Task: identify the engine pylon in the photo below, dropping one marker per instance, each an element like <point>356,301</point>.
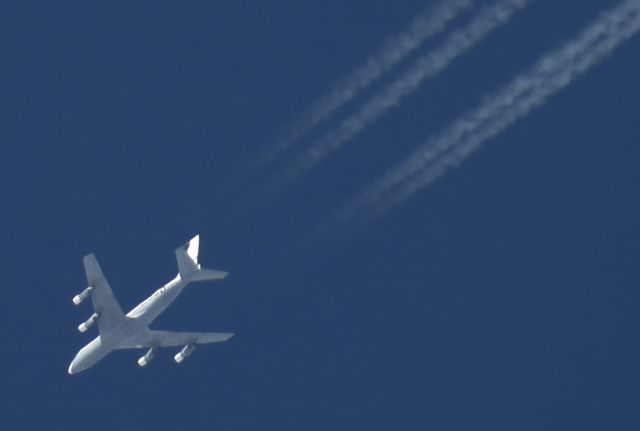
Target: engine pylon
<point>143,361</point>
<point>186,351</point>
<point>89,323</point>
<point>77,300</point>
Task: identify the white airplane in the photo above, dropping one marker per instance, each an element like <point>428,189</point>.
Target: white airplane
<point>131,331</point>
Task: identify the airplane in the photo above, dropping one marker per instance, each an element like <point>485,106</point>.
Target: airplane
<point>131,331</point>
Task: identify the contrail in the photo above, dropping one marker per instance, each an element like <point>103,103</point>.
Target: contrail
<point>428,66</point>
<point>429,23</point>
<point>552,73</point>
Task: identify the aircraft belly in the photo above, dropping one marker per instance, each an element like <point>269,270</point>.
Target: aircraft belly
<point>148,312</point>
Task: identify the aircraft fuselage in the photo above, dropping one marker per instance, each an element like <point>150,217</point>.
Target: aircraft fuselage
<point>131,330</point>
<point>137,321</point>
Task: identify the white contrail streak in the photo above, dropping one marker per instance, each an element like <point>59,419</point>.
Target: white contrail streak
<point>552,73</point>
<point>430,22</point>
<point>428,66</point>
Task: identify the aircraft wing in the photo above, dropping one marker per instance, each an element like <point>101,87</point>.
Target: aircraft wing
<point>104,303</point>
<point>153,338</point>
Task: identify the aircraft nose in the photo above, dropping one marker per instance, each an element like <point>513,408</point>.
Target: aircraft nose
<point>75,365</point>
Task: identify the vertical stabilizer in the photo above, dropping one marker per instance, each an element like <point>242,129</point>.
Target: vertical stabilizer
<point>192,248</point>
<point>188,266</point>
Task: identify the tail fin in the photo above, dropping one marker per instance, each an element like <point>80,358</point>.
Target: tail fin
<point>188,266</point>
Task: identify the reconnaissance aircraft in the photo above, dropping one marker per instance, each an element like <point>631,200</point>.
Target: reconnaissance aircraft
<point>131,331</point>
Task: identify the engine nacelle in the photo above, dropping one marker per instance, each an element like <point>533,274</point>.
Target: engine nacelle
<point>89,323</point>
<point>147,357</point>
<point>186,351</point>
<point>77,300</point>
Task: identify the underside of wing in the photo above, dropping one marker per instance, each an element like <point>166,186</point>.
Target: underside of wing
<point>110,314</point>
<point>153,338</point>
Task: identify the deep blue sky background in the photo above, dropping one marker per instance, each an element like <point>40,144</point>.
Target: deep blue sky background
<point>504,297</point>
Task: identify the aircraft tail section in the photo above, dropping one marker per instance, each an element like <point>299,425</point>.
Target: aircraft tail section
<point>188,266</point>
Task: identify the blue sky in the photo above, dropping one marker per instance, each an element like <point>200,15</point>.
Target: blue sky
<point>502,296</point>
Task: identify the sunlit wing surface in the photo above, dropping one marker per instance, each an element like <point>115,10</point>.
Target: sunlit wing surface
<point>153,338</point>
<point>104,303</point>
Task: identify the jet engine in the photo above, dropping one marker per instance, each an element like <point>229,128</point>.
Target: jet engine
<point>186,351</point>
<point>77,300</point>
<point>147,357</point>
<point>89,323</point>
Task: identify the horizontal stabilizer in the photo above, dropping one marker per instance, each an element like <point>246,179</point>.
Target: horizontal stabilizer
<point>208,274</point>
<point>188,266</point>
